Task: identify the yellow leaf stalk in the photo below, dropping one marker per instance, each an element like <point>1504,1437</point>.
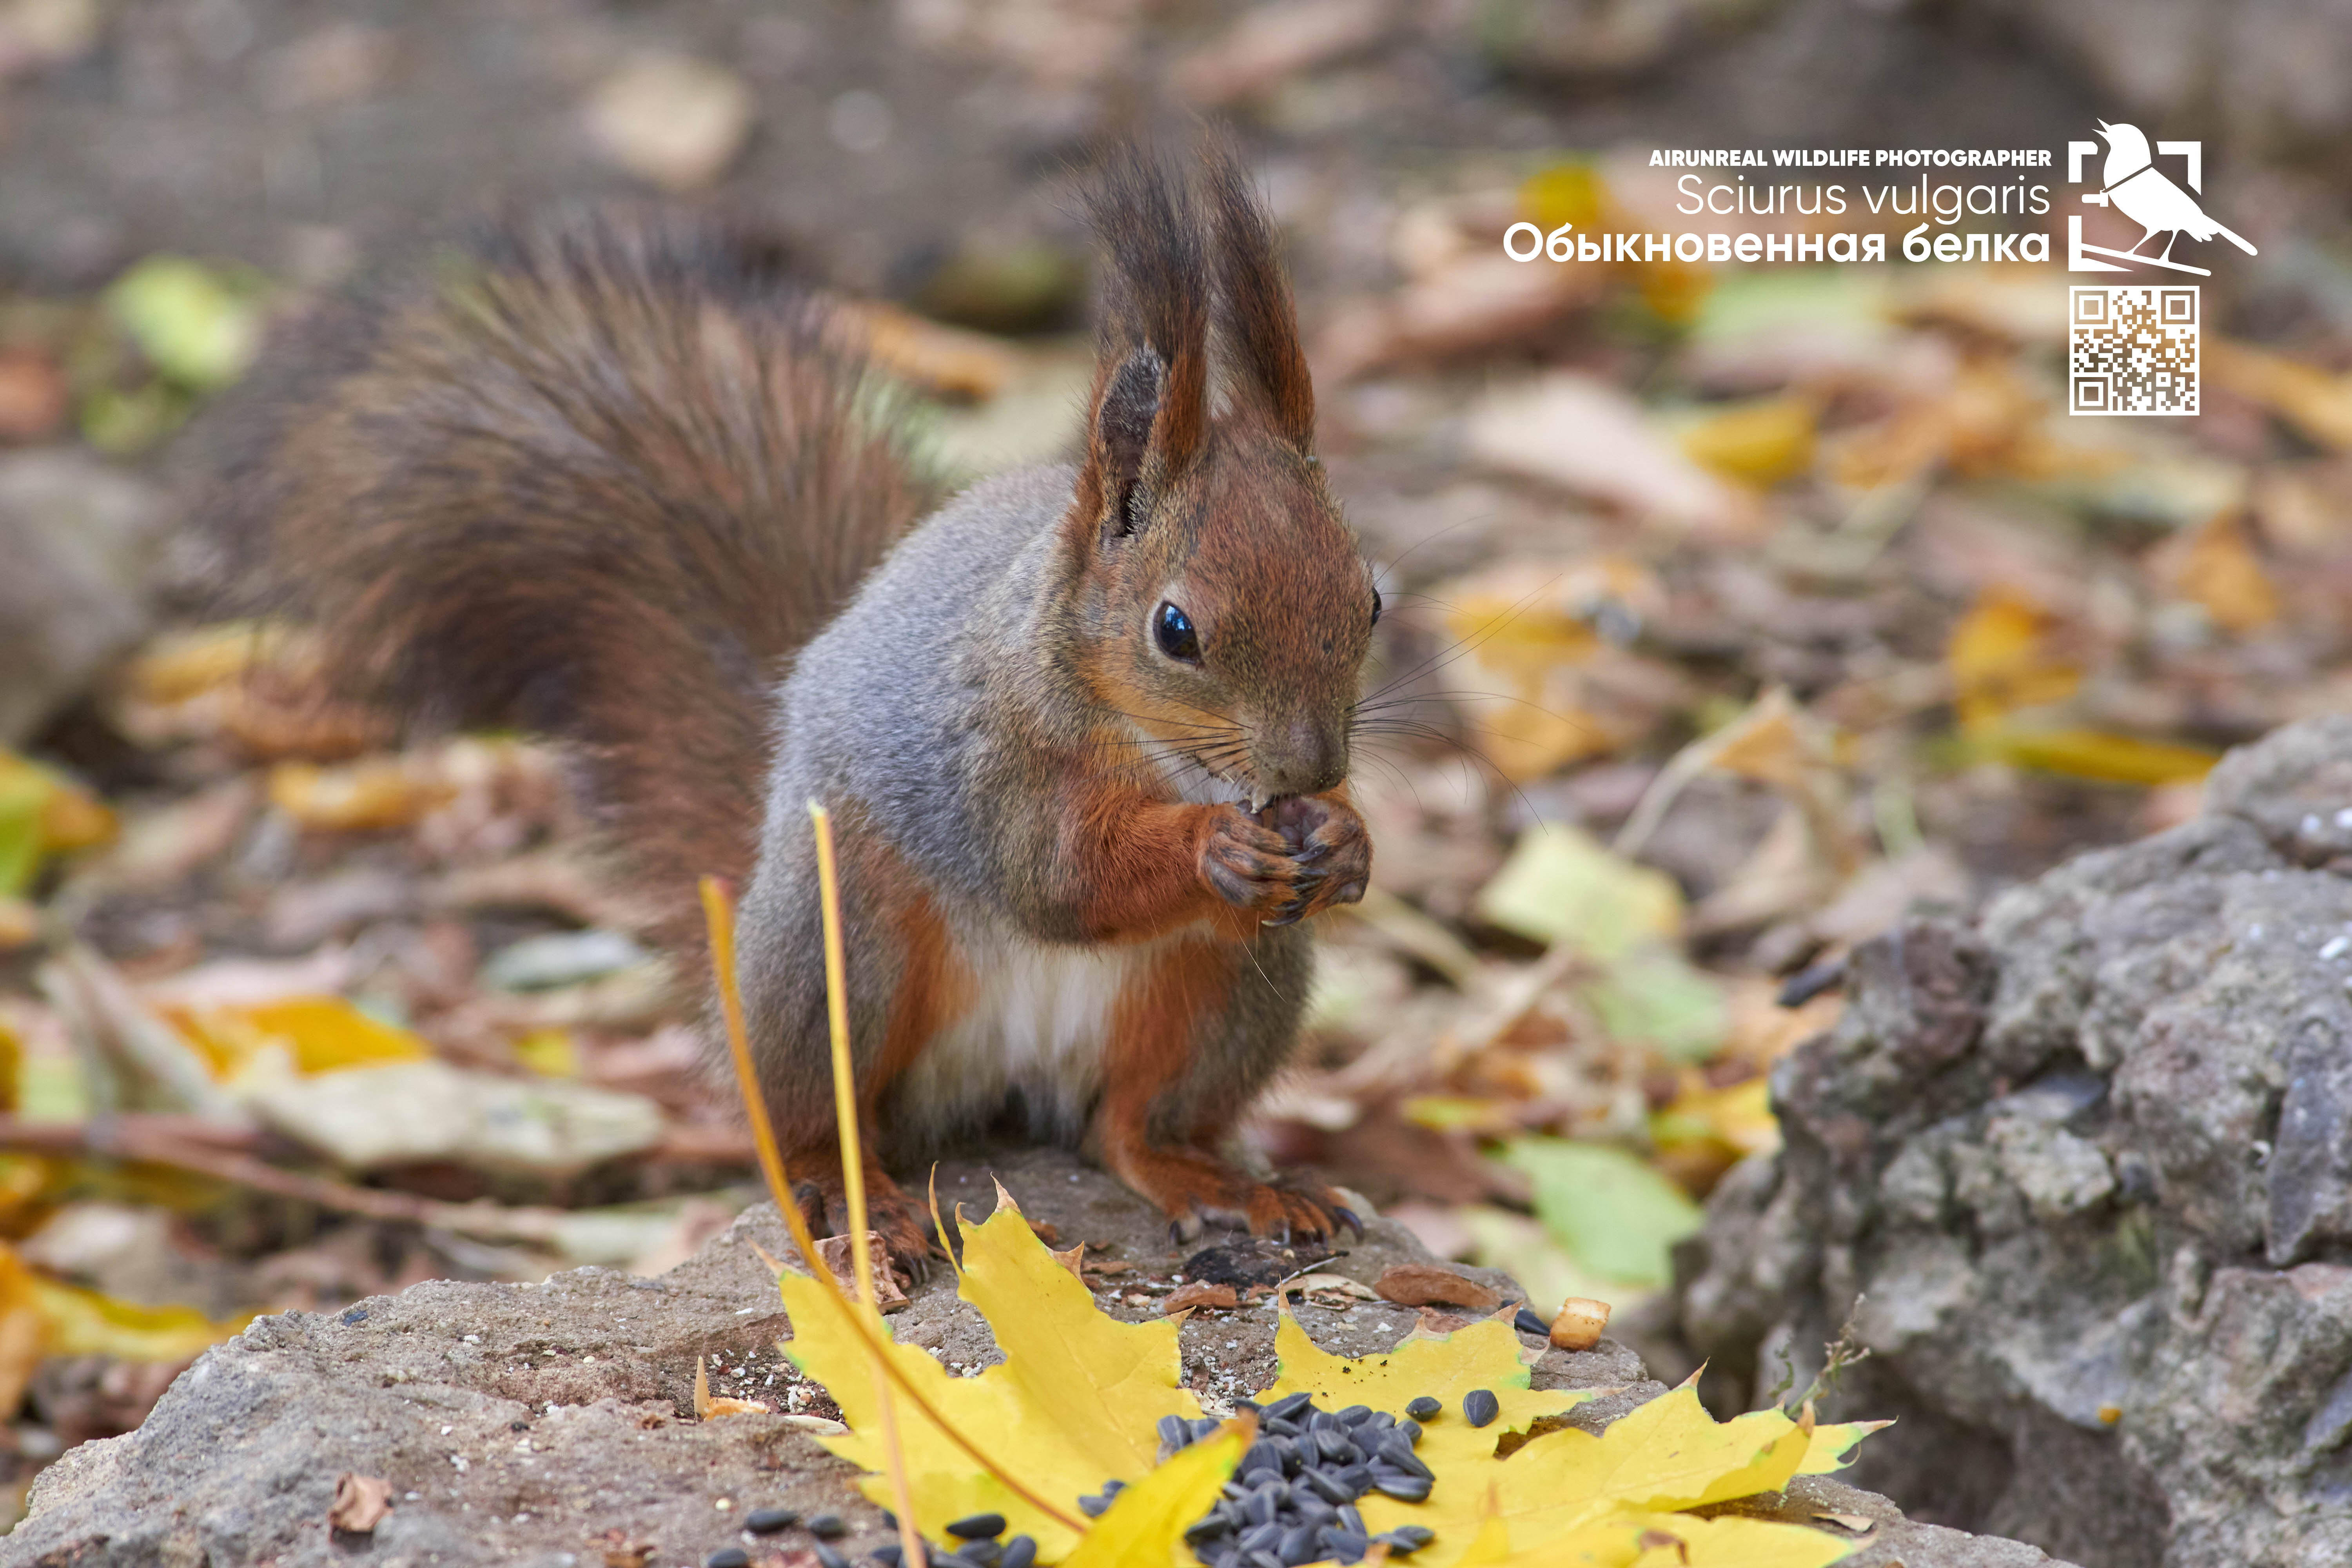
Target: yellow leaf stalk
<point>852,1176</point>
<point>822,1303</point>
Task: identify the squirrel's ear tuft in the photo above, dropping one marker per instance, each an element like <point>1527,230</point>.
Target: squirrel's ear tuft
<point>1151,386</point>
<point>1260,323</point>
<point>1124,415</point>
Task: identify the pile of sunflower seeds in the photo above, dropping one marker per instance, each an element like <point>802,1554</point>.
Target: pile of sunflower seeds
<point>976,1546</point>
<point>1292,1499</point>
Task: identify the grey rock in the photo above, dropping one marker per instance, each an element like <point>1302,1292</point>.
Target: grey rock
<point>519,1423</point>
<point>79,539</point>
<point>2079,1180</point>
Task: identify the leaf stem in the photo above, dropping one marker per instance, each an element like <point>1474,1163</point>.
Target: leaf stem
<point>720,915</point>
<point>852,1176</point>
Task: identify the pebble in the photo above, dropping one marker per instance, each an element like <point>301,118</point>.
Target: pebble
<point>1480,1406</point>
<point>768,1520</point>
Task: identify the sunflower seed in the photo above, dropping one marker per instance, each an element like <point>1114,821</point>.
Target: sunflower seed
<point>1480,1406</point>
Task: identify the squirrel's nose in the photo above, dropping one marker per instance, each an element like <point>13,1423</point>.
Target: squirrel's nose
<point>1301,757</point>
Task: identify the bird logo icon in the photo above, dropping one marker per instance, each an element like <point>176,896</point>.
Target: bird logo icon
<point>2133,185</point>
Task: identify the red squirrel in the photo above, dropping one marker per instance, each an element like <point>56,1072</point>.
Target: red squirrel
<point>1083,730</point>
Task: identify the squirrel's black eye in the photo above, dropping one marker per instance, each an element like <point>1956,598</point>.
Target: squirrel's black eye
<point>1173,628</point>
<point>1376,607</point>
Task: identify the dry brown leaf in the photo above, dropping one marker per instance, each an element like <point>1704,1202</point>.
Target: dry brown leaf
<point>1074,1259</point>
<point>2215,566</point>
<point>361,1502</point>
<point>834,1252</point>
<point>1185,1298</point>
<point>34,399</point>
<point>357,797</point>
<point>946,360</point>
<point>1268,45</point>
<point>2314,401</point>
<point>1860,1523</point>
<point>1432,1285</point>
<point>622,1550</point>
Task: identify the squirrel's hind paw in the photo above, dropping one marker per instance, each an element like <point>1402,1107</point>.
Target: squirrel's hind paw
<point>890,1213</point>
<point>1196,1190</point>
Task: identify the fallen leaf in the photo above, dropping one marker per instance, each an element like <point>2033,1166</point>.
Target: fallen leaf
<point>358,797</point>
<point>949,361</point>
<point>671,120</point>
<point>2215,566</point>
<point>1072,1403</point>
<point>361,1502</point>
<point>34,397</point>
<point>1186,1297</point>
<point>200,326</point>
<point>2006,654</point>
<point>1434,1285</point>
<point>2094,754</point>
<point>1145,1521</point>
<point>834,1251</point>
<point>2313,401</point>
<point>1267,44</point>
<point>1760,443</point>
<point>1860,1523</point>
<point>1559,886</point>
<point>314,1034</point>
<point>1616,1215</point>
<point>1586,435</point>
<point>1331,1284</point>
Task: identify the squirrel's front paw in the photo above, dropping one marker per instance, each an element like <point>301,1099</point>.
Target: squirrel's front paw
<point>1330,850</point>
<point>1247,863</point>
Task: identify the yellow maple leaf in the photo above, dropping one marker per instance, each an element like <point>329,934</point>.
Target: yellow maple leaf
<point>1078,1396</point>
<point>1074,1404</point>
<point>1642,1540</point>
<point>1446,1368</point>
<point>1146,1520</point>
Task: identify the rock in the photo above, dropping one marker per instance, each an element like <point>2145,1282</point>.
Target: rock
<point>2079,1180</point>
<point>538,1424</point>
<point>79,539</point>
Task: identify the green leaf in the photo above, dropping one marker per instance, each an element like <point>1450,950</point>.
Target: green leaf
<point>1561,886</point>
<point>1616,1215</point>
<point>200,327</point>
<point>1652,998</point>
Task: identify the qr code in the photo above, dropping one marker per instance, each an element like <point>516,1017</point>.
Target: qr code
<point>2132,351</point>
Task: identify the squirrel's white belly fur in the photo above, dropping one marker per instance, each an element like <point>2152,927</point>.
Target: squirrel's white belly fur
<point>1036,1020</point>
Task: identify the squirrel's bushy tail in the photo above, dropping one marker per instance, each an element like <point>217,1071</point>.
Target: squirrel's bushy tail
<point>589,475</point>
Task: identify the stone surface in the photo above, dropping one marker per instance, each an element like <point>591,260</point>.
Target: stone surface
<point>2080,1181</point>
<point>517,1424</point>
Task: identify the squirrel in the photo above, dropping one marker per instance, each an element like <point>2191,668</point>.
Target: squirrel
<point>1083,730</point>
